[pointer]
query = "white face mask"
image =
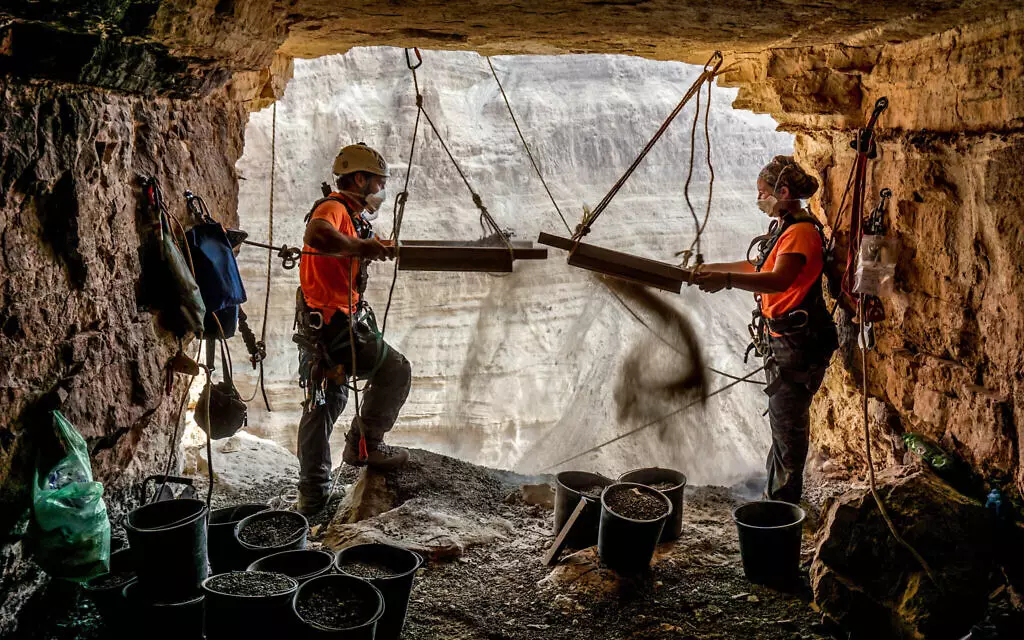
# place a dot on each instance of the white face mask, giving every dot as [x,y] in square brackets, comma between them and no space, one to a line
[374,201]
[768,205]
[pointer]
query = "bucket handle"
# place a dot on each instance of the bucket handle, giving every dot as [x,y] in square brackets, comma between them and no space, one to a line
[421,561]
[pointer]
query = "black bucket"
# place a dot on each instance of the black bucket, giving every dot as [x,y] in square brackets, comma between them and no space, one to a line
[168,542]
[656,475]
[252,617]
[625,544]
[769,532]
[251,552]
[224,550]
[159,618]
[106,591]
[395,587]
[359,629]
[567,495]
[301,564]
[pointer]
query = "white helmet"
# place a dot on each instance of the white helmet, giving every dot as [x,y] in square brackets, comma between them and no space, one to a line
[359,157]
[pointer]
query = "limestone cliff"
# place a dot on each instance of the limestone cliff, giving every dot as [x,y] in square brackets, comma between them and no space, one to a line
[523,370]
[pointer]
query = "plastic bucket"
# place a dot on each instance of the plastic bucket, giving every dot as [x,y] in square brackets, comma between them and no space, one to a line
[627,544]
[251,552]
[361,629]
[168,542]
[567,495]
[222,546]
[154,616]
[106,591]
[301,564]
[394,588]
[656,475]
[769,532]
[252,617]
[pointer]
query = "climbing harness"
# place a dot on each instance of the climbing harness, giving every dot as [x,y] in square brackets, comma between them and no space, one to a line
[798,320]
[624,266]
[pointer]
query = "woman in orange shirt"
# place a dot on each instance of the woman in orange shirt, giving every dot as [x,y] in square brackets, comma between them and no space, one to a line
[794,331]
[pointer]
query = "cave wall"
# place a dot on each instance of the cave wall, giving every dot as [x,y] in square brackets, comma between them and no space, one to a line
[163,86]
[949,360]
[70,235]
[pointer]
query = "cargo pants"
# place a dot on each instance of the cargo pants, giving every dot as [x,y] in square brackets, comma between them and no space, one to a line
[794,374]
[388,384]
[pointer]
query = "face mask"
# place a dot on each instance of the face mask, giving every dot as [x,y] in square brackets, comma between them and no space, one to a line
[374,201]
[768,205]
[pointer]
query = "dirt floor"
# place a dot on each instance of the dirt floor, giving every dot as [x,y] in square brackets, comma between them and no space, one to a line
[502,590]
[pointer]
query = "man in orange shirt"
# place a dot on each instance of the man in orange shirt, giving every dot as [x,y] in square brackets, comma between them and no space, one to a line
[333,313]
[793,328]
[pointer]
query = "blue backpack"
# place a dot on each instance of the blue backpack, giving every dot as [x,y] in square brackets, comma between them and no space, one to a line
[216,270]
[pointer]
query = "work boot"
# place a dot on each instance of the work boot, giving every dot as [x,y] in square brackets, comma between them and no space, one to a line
[380,455]
[309,505]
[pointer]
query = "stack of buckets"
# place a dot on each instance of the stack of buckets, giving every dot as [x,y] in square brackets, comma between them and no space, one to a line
[769,531]
[172,595]
[167,542]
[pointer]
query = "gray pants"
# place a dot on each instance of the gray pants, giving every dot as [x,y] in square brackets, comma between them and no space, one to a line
[792,383]
[386,392]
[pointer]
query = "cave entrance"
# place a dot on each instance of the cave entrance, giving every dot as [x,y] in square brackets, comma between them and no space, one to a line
[517,372]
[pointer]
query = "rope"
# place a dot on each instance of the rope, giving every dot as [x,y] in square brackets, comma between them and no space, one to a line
[711,179]
[270,240]
[486,220]
[655,421]
[526,146]
[871,466]
[590,217]
[689,174]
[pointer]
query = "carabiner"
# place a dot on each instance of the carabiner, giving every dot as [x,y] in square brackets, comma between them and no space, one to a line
[408,60]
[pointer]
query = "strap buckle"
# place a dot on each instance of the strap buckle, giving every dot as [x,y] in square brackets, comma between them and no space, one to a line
[316,320]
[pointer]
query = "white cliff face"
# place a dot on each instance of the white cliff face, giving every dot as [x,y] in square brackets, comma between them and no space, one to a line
[519,371]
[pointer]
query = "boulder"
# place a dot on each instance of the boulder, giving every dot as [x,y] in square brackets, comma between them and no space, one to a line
[866,581]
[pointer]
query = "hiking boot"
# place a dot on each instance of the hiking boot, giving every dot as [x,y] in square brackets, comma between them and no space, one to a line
[380,455]
[309,505]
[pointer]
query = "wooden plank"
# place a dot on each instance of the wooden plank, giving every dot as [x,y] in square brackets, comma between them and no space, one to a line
[444,255]
[563,535]
[661,275]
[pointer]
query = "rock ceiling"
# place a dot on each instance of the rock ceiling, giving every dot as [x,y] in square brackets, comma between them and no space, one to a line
[183,48]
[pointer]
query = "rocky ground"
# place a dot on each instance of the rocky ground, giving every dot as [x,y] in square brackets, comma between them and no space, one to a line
[486,537]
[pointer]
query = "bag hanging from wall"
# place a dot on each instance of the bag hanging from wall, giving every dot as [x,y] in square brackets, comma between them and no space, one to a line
[73,532]
[227,411]
[216,270]
[168,286]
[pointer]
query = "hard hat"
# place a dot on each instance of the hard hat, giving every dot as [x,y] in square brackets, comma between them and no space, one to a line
[359,157]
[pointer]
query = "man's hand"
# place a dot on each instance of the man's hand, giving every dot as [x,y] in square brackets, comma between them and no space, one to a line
[711,281]
[374,249]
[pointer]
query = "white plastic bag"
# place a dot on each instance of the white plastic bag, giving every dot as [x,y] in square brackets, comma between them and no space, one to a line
[876,265]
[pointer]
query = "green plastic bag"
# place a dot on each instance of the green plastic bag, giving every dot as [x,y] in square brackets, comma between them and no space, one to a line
[73,537]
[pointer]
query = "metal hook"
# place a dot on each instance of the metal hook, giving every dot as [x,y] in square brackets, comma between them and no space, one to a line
[408,60]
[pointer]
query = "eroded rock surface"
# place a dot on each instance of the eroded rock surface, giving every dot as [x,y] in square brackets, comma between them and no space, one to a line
[862,577]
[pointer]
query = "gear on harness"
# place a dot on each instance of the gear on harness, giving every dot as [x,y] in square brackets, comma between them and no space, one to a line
[809,321]
[324,348]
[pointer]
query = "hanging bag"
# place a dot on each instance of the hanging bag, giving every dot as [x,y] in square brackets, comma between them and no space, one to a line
[216,270]
[227,411]
[168,286]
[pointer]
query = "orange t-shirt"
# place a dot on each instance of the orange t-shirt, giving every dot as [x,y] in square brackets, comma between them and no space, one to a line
[802,238]
[325,280]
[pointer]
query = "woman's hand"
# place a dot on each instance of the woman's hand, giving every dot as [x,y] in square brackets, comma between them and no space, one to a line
[712,281]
